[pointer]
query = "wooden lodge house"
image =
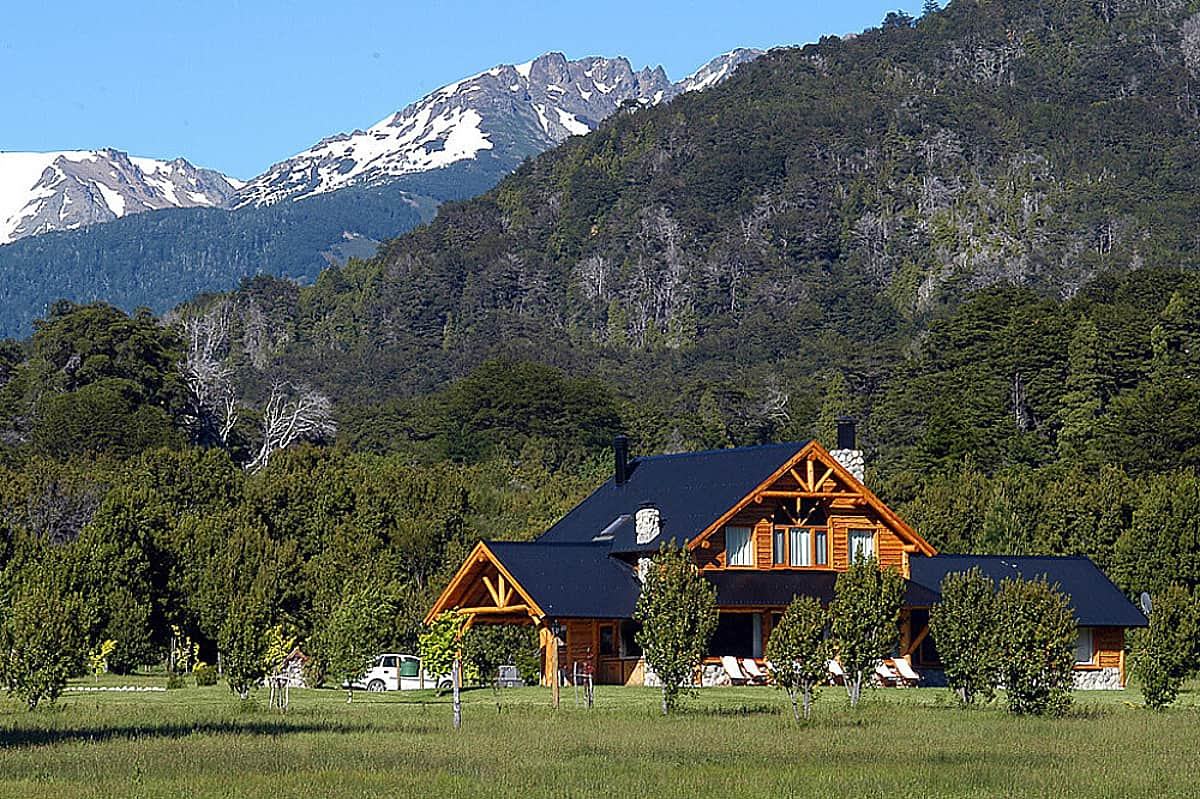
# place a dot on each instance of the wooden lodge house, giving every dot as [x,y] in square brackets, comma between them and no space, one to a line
[764,524]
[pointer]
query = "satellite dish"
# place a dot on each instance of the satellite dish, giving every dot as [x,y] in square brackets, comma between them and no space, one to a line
[1145,602]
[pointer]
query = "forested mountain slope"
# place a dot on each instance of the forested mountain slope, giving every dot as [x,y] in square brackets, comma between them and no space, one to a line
[816,211]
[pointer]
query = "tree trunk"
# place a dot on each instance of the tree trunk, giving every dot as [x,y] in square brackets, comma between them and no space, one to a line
[964,695]
[457,701]
[854,687]
[666,704]
[807,701]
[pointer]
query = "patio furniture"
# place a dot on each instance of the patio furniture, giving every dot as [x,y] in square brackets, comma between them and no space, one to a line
[733,671]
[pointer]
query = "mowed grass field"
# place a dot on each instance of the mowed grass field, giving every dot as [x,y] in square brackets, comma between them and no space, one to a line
[726,742]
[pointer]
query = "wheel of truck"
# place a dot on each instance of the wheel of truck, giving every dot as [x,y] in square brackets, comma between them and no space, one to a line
[445,685]
[376,685]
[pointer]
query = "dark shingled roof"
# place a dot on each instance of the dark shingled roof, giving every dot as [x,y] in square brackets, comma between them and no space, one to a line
[571,580]
[691,491]
[777,588]
[1095,600]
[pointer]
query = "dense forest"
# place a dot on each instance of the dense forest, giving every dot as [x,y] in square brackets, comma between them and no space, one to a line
[162,258]
[973,232]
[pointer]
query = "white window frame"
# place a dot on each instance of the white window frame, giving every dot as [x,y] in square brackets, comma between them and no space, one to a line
[743,556]
[1084,636]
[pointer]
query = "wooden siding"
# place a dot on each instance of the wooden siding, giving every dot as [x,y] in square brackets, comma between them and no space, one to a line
[583,642]
[841,545]
[814,477]
[762,544]
[1109,643]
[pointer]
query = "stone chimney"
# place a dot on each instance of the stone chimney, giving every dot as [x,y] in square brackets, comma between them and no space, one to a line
[847,453]
[647,524]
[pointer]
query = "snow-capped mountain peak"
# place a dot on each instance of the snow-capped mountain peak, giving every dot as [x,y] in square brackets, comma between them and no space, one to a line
[504,114]
[41,192]
[718,69]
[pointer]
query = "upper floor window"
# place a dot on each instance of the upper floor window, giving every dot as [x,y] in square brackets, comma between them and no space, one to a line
[862,544]
[800,546]
[738,547]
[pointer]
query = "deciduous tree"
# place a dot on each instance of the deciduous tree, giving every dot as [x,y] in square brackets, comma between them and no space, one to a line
[678,613]
[865,619]
[963,626]
[1036,646]
[798,650]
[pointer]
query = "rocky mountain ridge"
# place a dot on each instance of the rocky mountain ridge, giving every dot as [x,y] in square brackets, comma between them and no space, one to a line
[43,192]
[500,116]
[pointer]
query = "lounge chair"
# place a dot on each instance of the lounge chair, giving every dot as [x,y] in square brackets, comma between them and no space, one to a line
[837,676]
[904,670]
[733,671]
[884,675]
[757,676]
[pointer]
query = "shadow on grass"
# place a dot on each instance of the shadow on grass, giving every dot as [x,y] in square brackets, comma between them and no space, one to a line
[33,737]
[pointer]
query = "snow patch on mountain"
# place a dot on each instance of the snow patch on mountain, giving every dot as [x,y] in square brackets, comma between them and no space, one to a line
[506,113]
[41,192]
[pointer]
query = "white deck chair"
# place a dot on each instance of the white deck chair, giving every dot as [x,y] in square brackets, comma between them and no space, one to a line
[884,674]
[908,675]
[733,671]
[750,667]
[837,676]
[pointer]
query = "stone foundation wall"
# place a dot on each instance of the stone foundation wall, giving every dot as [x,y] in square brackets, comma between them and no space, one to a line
[711,675]
[1098,680]
[1091,680]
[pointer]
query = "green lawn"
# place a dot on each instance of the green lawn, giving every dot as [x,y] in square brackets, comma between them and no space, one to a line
[201,742]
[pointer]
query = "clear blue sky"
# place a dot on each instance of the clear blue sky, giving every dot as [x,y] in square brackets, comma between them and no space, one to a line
[236,86]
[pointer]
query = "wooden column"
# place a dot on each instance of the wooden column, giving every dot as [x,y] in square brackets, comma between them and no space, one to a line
[555,643]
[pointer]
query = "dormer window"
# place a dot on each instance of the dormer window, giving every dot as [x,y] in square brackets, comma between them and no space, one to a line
[739,547]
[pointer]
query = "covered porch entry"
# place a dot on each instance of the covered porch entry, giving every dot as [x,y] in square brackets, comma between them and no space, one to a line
[580,600]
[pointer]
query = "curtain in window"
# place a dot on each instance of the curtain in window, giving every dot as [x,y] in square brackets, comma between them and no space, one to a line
[1083,645]
[737,547]
[862,542]
[801,547]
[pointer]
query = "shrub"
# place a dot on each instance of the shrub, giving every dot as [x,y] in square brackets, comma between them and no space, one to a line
[175,681]
[963,626]
[485,648]
[43,631]
[315,672]
[205,675]
[678,613]
[439,643]
[1164,654]
[1036,646]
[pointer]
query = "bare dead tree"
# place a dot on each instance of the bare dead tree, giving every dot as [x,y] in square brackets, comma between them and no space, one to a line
[208,378]
[292,413]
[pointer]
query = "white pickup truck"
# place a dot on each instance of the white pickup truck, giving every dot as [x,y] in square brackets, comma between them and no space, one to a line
[394,672]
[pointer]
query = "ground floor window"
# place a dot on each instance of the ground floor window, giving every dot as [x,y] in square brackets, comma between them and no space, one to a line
[738,634]
[608,640]
[1084,652]
[629,645]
